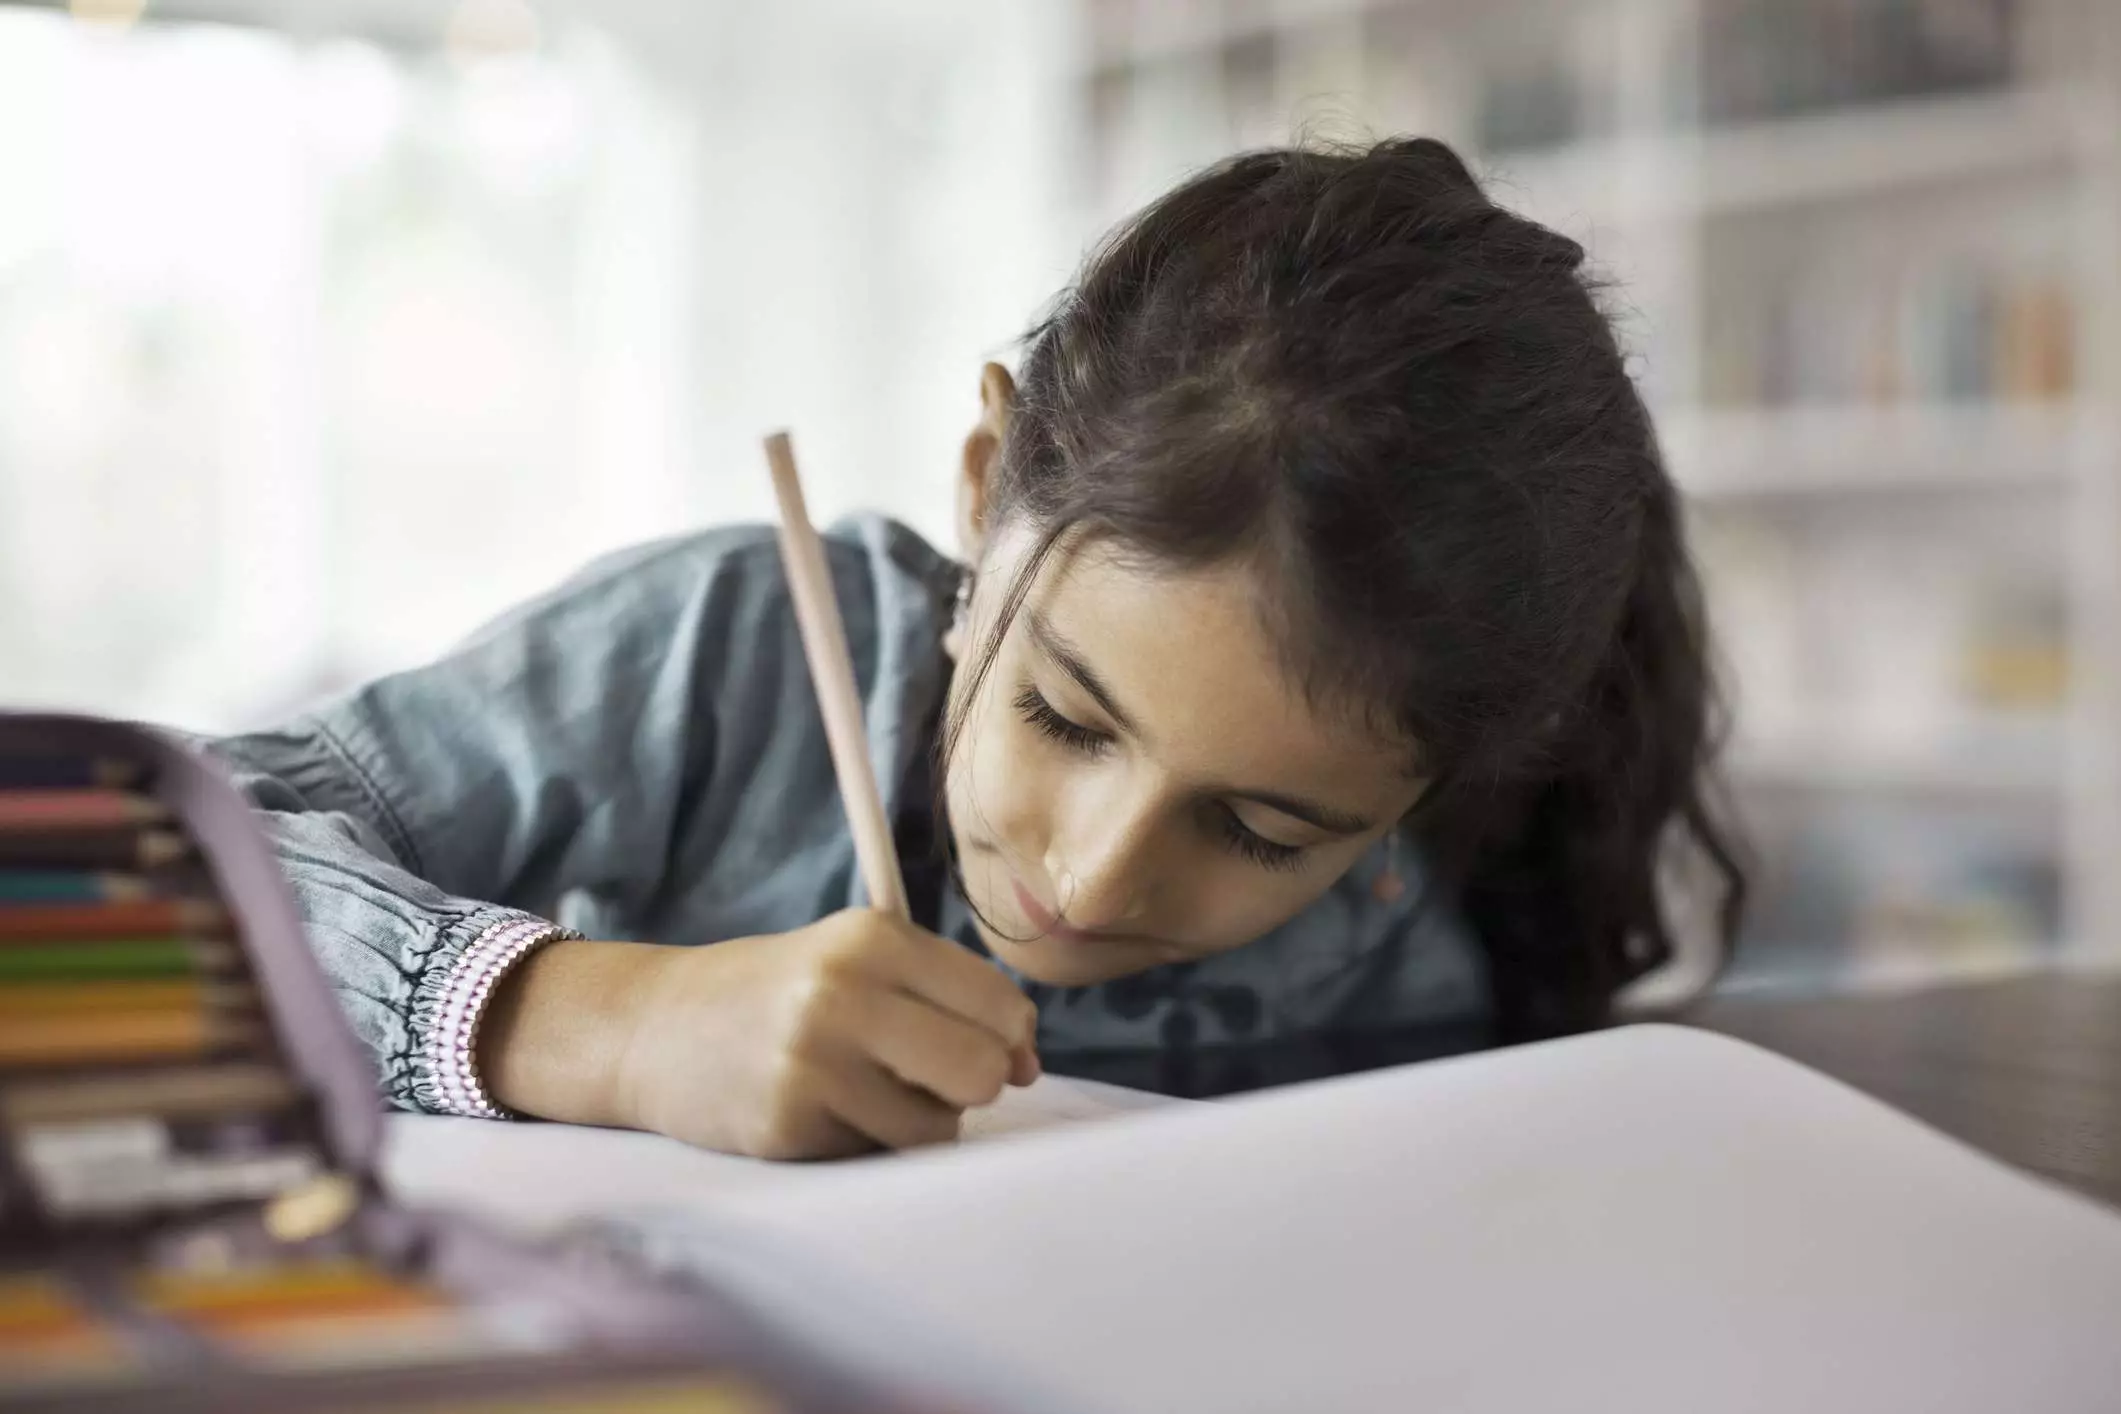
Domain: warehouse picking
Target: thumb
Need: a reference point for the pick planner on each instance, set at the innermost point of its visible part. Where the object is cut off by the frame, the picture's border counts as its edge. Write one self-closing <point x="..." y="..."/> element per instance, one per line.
<point x="1024" y="1066"/>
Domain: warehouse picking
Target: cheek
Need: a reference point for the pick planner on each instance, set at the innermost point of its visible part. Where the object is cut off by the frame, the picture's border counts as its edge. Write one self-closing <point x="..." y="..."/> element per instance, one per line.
<point x="998" y="791"/>
<point x="1235" y="901"/>
<point x="1232" y="901"/>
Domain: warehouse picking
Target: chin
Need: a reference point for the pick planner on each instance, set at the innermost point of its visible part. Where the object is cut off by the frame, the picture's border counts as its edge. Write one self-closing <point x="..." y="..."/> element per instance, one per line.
<point x="1058" y="964"/>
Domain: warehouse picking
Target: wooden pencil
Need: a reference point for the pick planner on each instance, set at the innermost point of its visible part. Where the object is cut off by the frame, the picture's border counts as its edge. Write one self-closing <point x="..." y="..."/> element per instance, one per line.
<point x="144" y="918"/>
<point x="92" y="849"/>
<point x="77" y="810"/>
<point x="817" y="616"/>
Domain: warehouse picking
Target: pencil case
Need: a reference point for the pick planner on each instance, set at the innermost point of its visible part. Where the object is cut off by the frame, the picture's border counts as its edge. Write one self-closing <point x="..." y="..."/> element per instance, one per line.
<point x="190" y="1213"/>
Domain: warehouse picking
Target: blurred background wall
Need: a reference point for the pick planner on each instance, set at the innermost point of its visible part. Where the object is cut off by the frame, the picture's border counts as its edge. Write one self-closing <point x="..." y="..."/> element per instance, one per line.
<point x="330" y="327"/>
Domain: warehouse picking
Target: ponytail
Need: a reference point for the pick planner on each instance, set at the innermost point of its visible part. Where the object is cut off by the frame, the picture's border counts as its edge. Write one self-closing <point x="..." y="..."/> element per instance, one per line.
<point x="1563" y="892"/>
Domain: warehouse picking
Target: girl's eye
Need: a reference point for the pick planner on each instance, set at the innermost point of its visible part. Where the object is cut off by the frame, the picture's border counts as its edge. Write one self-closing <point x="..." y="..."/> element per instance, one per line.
<point x="1235" y="834"/>
<point x="1039" y="713"/>
<point x="1257" y="848"/>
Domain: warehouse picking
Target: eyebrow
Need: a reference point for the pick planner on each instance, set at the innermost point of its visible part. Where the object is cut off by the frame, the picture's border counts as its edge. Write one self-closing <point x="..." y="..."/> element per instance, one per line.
<point x="1070" y="661"/>
<point x="1324" y="817"/>
<point x="1064" y="653"/>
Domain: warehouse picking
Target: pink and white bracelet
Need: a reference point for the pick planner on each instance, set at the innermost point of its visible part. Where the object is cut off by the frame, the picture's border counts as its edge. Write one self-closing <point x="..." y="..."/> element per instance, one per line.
<point x="452" y="1039"/>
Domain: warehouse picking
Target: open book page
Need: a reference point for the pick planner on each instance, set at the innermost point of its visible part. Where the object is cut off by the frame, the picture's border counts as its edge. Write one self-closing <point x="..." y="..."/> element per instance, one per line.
<point x="547" y="1174"/>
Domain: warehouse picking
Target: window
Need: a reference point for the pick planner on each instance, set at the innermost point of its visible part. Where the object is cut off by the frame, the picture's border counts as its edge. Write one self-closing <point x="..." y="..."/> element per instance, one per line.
<point x="313" y="354"/>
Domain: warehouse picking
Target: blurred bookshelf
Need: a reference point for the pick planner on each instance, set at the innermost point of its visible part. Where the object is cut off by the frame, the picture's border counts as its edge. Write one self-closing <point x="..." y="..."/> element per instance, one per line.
<point x="1866" y="255"/>
<point x="1852" y="449"/>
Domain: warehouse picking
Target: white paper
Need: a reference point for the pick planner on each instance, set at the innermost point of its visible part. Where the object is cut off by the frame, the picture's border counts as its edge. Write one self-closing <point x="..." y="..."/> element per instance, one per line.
<point x="1647" y="1221"/>
<point x="542" y="1175"/>
<point x="1052" y="1101"/>
<point x="1653" y="1220"/>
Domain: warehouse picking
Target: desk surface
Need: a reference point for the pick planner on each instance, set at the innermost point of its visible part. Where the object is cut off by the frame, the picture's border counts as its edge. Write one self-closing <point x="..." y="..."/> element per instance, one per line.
<point x="2028" y="1070"/>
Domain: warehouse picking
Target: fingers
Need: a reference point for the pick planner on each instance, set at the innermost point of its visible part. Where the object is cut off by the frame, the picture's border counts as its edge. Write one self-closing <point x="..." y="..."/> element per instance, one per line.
<point x="945" y="1055"/>
<point x="942" y="973"/>
<point x="1024" y="1066"/>
<point x="825" y="1136"/>
<point x="867" y="1098"/>
<point x="796" y="1121"/>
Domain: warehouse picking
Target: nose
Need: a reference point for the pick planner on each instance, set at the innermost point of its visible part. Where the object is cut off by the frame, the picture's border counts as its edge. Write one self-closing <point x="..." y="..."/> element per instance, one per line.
<point x="1101" y="864"/>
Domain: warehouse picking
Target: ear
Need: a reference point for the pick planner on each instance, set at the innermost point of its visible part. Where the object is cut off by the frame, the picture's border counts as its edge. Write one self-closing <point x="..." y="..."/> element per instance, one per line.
<point x="982" y="456"/>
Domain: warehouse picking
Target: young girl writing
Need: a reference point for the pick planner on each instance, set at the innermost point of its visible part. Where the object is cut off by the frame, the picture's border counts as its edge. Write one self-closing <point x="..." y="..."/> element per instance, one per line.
<point x="1325" y="656"/>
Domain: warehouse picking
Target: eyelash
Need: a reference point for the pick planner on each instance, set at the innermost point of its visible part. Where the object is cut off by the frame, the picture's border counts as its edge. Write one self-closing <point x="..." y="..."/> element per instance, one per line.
<point x="1036" y="710"/>
<point x="1263" y="852"/>
<point x="1073" y="735"/>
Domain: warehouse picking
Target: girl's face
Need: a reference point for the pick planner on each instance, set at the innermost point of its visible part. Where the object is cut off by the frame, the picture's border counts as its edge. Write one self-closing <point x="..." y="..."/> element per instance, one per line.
<point x="1138" y="782"/>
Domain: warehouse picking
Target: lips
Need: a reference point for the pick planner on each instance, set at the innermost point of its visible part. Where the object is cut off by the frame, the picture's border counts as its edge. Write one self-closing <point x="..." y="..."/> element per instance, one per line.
<point x="1047" y="922"/>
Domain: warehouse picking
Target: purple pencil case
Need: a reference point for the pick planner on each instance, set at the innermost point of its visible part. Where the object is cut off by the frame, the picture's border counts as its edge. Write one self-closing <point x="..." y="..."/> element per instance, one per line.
<point x="191" y="1218"/>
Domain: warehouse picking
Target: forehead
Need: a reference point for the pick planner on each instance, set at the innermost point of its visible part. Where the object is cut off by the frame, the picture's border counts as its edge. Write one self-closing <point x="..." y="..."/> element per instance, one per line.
<point x="1190" y="657"/>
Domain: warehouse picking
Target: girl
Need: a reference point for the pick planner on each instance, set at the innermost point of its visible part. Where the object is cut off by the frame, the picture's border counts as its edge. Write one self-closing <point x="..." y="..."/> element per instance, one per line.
<point x="1328" y="659"/>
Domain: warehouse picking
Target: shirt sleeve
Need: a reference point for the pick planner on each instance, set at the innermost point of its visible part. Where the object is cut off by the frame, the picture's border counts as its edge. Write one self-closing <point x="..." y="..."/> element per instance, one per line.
<point x="554" y="752"/>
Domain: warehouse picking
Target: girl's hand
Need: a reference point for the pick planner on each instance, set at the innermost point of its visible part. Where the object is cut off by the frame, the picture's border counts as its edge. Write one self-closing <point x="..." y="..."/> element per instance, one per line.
<point x="858" y="1031"/>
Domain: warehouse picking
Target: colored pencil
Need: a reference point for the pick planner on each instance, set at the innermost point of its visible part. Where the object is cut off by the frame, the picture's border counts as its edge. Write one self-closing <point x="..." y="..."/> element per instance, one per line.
<point x="140" y="959"/>
<point x="184" y="1180"/>
<point x="47" y="886"/>
<point x="144" y="918"/>
<point x="136" y="940"/>
<point x="318" y="1315"/>
<point x="46" y="1336"/>
<point x="20" y="999"/>
<point x="107" y="1143"/>
<point x="34" y="1301"/>
<point x="710" y="1394"/>
<point x="190" y="1092"/>
<point x="22" y="810"/>
<point x="132" y="1146"/>
<point x="118" y="1037"/>
<point x="267" y="1291"/>
<point x="93" y="849"/>
<point x="66" y="1362"/>
<point x="391" y="1339"/>
<point x="67" y="773"/>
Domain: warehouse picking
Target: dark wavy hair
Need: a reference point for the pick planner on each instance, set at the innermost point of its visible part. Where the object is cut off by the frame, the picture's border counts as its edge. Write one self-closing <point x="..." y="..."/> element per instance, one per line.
<point x="1405" y="404"/>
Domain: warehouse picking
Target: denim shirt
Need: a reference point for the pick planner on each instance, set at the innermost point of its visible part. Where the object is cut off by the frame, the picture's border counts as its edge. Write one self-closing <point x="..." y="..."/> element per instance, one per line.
<point x="639" y="755"/>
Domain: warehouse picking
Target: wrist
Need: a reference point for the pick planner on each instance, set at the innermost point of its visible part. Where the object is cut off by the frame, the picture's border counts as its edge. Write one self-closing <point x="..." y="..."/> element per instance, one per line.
<point x="559" y="1027"/>
<point x="451" y="1002"/>
<point x="638" y="988"/>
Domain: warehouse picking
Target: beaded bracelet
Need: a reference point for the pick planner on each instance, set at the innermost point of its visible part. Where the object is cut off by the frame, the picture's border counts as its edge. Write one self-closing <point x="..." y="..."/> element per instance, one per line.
<point x="452" y="1041"/>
